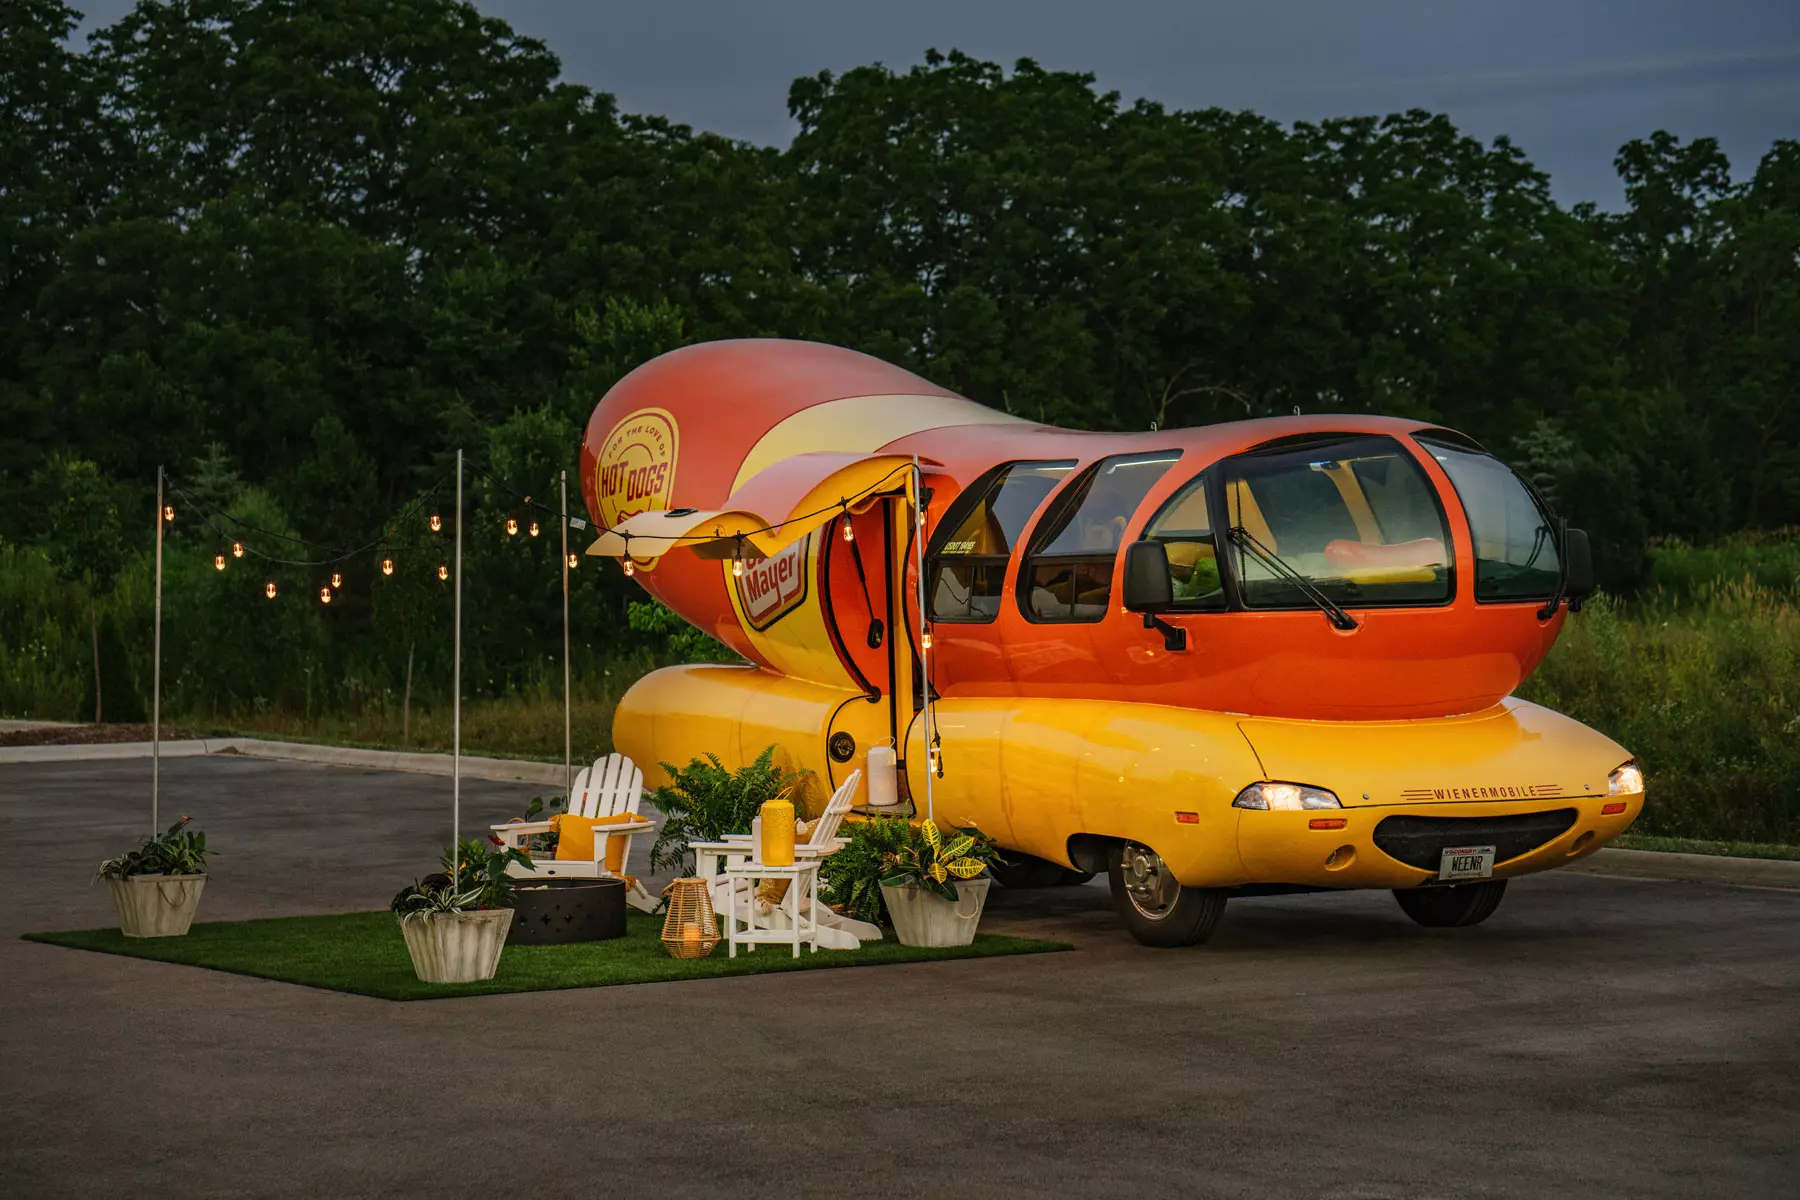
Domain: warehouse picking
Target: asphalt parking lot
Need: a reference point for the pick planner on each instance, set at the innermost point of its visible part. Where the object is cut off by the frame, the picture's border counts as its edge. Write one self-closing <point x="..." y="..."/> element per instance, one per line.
<point x="1597" y="1037"/>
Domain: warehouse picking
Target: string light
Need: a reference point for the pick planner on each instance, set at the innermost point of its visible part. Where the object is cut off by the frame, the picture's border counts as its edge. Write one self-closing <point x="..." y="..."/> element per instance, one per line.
<point x="324" y="595"/>
<point x="849" y="533"/>
<point x="629" y="569"/>
<point x="218" y="562"/>
<point x="737" y="567"/>
<point x="533" y="531"/>
<point x="387" y="566"/>
<point x="237" y="549"/>
<point x="269" y="589"/>
<point x="168" y="512"/>
<point x="443" y="571"/>
<point x="571" y="562"/>
<point x="437" y="522"/>
<point x="925" y="639"/>
<point x="512" y="526"/>
<point x="337" y="580"/>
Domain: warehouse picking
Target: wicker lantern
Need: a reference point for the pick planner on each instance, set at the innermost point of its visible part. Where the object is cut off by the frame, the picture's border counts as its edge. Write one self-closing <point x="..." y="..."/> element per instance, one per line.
<point x="691" y="929"/>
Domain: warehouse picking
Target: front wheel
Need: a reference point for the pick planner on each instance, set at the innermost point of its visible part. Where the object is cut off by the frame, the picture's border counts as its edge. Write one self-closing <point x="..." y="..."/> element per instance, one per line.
<point x="1156" y="909"/>
<point x="1452" y="907"/>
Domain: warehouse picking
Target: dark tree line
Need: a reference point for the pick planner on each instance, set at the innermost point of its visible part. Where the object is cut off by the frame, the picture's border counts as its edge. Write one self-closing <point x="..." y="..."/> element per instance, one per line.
<point x="319" y="244"/>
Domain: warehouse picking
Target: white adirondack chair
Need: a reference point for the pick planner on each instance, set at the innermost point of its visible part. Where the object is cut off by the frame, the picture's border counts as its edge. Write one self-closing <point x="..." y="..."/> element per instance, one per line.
<point x="836" y="932"/>
<point x="611" y="787"/>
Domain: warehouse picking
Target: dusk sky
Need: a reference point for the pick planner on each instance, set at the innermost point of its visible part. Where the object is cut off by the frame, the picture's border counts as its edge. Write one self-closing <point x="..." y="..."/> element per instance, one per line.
<point x="1569" y="81"/>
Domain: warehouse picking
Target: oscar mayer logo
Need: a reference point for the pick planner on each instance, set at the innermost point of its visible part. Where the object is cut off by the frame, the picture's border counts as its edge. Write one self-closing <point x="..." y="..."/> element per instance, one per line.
<point x="635" y="469"/>
<point x="771" y="588"/>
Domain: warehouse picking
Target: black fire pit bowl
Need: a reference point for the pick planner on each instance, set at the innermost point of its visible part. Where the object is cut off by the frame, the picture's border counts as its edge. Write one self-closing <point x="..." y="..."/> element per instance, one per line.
<point x="550" y="912"/>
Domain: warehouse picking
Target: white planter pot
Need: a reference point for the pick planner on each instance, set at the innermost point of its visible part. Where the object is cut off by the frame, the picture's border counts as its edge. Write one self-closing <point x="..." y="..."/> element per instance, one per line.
<point x="156" y="905"/>
<point x="923" y="918"/>
<point x="457" y="947"/>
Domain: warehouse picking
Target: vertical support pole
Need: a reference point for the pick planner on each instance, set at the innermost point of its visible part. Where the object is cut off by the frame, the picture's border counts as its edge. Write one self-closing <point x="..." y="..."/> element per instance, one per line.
<point x="456" y="694"/>
<point x="156" y="673"/>
<point x="924" y="651"/>
<point x="568" y="719"/>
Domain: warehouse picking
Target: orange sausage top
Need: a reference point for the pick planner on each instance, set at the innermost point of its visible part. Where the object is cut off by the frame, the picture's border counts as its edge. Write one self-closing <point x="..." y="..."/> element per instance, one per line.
<point x="1025" y="525"/>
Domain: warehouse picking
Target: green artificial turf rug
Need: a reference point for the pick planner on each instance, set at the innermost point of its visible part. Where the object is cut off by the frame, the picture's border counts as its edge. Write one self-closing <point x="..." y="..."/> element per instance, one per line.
<point x="363" y="953"/>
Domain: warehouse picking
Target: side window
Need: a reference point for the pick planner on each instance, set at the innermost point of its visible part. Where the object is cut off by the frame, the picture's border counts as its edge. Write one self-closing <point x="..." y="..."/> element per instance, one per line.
<point x="1068" y="572"/>
<point x="1515" y="539"/>
<point x="967" y="560"/>
<point x="1184" y="527"/>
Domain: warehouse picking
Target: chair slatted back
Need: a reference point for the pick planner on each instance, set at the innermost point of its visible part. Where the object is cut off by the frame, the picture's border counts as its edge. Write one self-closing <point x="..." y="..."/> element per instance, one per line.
<point x="577" y="792"/>
<point x="613" y="785"/>
<point x="826" y="827"/>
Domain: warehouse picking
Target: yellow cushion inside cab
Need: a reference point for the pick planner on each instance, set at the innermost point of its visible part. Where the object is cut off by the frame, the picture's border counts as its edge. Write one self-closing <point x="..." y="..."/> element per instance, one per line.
<point x="575" y="840"/>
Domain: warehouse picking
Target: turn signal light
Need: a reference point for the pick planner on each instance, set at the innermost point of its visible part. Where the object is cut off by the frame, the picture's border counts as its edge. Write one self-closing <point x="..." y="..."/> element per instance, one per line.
<point x="1613" y="809"/>
<point x="1326" y="823"/>
<point x="1182" y="818"/>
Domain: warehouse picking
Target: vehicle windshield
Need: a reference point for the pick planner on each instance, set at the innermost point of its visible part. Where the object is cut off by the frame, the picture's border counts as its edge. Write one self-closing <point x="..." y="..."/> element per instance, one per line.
<point x="1356" y="517"/>
<point x="1515" y="541"/>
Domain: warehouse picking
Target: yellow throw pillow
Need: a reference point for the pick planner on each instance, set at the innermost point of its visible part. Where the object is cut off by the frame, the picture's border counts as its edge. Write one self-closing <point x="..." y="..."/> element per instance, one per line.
<point x="575" y="840"/>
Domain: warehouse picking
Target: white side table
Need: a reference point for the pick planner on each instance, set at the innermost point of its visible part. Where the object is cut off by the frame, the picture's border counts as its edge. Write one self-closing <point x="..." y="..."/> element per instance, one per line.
<point x="800" y="905"/>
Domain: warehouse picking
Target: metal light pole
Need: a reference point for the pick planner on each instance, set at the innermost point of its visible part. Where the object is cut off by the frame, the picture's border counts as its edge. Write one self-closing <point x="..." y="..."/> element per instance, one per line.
<point x="156" y="674"/>
<point x="456" y="696"/>
<point x="568" y="720"/>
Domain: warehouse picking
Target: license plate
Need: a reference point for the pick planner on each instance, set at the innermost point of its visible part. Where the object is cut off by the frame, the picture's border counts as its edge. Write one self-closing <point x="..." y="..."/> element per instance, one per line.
<point x="1466" y="862"/>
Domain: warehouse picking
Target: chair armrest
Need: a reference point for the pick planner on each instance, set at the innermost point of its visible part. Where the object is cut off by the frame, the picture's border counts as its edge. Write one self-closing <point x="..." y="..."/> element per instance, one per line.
<point x="523" y="827"/>
<point x="717" y="847"/>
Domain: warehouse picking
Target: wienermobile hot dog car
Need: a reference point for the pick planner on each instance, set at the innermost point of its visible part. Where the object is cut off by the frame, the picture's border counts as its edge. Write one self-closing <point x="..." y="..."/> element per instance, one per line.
<point x="1266" y="655"/>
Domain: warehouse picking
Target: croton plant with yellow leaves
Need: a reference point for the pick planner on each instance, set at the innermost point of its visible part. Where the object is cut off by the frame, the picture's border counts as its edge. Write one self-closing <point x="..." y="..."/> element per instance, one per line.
<point x="932" y="861"/>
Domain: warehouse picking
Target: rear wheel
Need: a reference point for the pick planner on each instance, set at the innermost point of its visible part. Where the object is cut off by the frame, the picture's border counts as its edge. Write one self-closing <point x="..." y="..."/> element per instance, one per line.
<point x="1157" y="910"/>
<point x="1454" y="906"/>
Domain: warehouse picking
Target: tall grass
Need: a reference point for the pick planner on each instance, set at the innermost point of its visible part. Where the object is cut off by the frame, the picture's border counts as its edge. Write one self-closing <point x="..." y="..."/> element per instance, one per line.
<point x="1705" y="690"/>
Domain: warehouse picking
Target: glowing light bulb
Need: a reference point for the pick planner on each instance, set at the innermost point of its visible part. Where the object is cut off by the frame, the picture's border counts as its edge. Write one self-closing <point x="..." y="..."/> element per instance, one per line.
<point x="629" y="569"/>
<point x="925" y="639"/>
<point x="218" y="562"/>
<point x="571" y="562"/>
<point x="337" y="580"/>
<point x="437" y="522"/>
<point x="269" y="589"/>
<point x="533" y="530"/>
<point x="443" y="571"/>
<point x="512" y="526"/>
<point x="237" y="549"/>
<point x="168" y="512"/>
<point x="387" y="566"/>
<point x="324" y="595"/>
<point x="849" y="533"/>
<point x="737" y="567"/>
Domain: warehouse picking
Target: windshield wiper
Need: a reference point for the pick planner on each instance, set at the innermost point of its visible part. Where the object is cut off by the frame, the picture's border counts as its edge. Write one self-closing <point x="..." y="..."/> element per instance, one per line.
<point x="1278" y="566"/>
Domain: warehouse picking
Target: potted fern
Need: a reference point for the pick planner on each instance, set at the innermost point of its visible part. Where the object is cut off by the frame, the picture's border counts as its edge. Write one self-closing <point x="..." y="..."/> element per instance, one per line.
<point x="933" y="887"/>
<point x="156" y="887"/>
<point x="455" y="925"/>
<point x="704" y="802"/>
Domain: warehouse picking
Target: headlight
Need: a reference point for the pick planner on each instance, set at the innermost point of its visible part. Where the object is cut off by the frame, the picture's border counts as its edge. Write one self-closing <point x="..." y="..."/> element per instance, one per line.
<point x="1291" y="797"/>
<point x="1626" y="780"/>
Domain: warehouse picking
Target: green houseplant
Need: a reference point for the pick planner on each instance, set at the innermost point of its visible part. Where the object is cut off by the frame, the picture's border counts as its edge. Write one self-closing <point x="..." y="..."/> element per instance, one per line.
<point x="156" y="887"/>
<point x="933" y="885"/>
<point x="703" y="802"/>
<point x="850" y="880"/>
<point x="455" y="922"/>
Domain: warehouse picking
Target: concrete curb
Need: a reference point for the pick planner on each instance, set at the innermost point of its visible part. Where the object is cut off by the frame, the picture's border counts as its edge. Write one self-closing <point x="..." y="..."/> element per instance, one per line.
<point x="1690" y="868"/>
<point x="497" y="770"/>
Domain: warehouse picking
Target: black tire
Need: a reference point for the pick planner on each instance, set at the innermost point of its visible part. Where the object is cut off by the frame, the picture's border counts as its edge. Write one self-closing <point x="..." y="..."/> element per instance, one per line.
<point x="1026" y="871"/>
<point x="1073" y="878"/>
<point x="1173" y="915"/>
<point x="1452" y="907"/>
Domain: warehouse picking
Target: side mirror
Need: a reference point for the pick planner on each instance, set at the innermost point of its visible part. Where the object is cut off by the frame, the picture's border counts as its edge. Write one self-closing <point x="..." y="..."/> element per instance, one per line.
<point x="1579" y="567"/>
<point x="1149" y="588"/>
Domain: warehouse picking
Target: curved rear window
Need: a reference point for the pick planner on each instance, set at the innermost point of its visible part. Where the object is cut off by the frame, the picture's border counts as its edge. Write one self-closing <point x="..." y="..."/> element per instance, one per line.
<point x="1515" y="540"/>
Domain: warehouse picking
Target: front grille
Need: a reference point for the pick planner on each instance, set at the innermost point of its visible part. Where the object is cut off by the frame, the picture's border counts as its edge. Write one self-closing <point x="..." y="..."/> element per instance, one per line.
<point x="1420" y="841"/>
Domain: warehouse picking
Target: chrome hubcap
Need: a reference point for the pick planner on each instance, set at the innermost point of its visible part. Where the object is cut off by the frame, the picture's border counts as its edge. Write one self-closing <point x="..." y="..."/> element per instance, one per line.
<point x="1148" y="884"/>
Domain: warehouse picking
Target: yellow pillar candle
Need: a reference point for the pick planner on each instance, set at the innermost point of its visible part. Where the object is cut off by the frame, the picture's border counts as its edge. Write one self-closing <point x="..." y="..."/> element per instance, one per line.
<point x="778" y="833"/>
<point x="690" y="937"/>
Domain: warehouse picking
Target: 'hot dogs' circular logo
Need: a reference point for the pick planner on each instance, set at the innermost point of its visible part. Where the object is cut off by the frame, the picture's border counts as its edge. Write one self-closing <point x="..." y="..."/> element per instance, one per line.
<point x="635" y="469"/>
